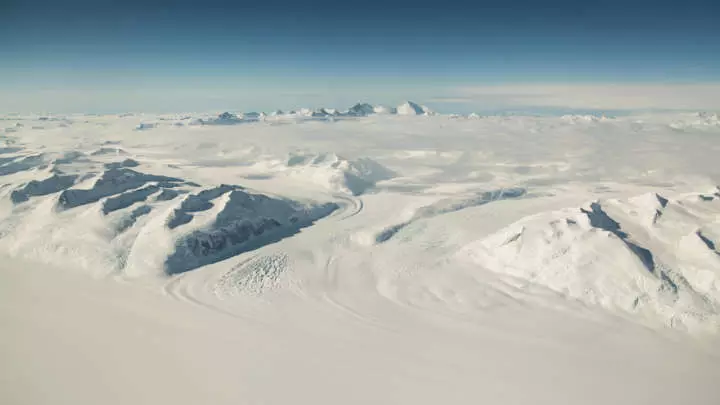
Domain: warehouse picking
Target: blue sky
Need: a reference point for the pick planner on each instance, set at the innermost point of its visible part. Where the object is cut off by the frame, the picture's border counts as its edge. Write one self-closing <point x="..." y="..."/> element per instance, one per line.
<point x="158" y="55"/>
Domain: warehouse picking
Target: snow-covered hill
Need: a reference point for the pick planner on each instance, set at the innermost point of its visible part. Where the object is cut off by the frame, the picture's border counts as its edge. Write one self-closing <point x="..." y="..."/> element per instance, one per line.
<point x="337" y="173"/>
<point x="649" y="256"/>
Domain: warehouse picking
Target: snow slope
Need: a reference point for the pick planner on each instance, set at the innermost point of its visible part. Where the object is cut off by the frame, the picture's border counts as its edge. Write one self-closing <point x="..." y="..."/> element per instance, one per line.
<point x="410" y="108"/>
<point x="648" y="256"/>
<point x="359" y="258"/>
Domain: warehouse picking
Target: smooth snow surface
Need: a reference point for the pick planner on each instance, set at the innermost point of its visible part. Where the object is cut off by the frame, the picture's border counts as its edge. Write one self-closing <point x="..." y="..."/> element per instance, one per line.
<point x="355" y="257"/>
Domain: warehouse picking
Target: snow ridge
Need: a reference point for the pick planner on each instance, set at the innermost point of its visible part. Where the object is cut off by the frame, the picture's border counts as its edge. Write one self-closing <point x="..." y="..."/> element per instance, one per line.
<point x="620" y="254"/>
<point x="136" y="223"/>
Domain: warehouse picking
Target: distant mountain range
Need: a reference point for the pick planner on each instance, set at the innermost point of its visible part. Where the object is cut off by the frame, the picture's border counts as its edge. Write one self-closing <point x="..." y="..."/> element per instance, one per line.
<point x="357" y="110"/>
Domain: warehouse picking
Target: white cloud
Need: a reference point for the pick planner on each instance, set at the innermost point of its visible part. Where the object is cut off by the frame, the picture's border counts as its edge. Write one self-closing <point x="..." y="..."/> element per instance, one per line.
<point x="593" y="96"/>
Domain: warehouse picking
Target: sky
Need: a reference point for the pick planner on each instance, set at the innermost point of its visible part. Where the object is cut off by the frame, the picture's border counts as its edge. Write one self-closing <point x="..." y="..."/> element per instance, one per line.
<point x="163" y="56"/>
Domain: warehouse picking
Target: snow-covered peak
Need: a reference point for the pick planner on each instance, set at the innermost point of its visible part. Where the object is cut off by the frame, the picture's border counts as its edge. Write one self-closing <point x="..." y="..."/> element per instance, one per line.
<point x="323" y="112"/>
<point x="361" y="109"/>
<point x="227" y="116"/>
<point x="410" y="108"/>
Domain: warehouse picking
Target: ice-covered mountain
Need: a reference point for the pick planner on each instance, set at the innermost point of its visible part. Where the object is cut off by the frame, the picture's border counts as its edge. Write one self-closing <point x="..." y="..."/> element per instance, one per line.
<point x="236" y="118"/>
<point x="361" y="110"/>
<point x="410" y="108"/>
<point x="648" y="256"/>
<point x="357" y="110"/>
<point x="323" y="112"/>
<point x="127" y="221"/>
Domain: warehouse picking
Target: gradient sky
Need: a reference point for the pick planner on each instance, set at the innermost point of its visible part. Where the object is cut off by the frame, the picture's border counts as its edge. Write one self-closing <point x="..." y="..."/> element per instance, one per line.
<point x="162" y="55"/>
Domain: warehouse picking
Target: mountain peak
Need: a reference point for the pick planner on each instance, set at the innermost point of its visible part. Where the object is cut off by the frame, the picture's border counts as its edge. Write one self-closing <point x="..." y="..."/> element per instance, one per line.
<point x="361" y="109"/>
<point x="410" y="108"/>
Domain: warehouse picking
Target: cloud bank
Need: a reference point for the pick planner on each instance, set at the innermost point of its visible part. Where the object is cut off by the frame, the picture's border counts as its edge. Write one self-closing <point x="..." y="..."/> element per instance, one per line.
<point x="703" y="96"/>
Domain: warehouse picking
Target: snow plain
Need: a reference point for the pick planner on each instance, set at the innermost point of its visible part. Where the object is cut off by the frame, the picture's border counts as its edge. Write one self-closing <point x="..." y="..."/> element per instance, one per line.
<point x="334" y="259"/>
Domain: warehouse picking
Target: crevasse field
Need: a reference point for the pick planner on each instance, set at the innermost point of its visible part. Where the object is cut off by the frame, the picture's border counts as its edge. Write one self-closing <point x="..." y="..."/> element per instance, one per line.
<point x="364" y="257"/>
